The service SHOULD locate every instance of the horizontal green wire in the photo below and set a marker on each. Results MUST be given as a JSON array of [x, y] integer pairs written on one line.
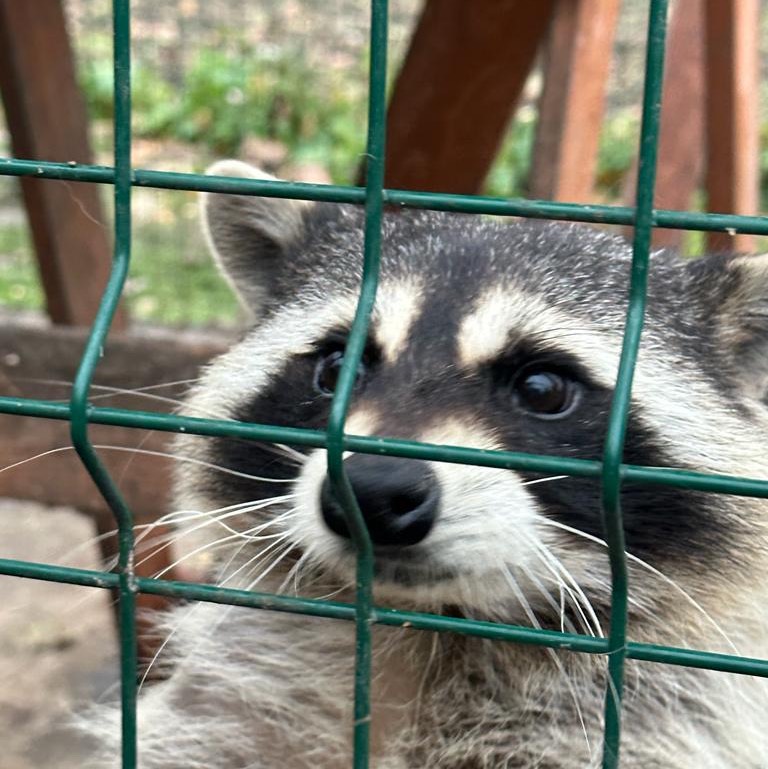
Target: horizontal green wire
[[478, 204], [670, 655], [371, 444]]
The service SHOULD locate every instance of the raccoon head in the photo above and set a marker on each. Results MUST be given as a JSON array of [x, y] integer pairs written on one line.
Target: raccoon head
[[493, 335]]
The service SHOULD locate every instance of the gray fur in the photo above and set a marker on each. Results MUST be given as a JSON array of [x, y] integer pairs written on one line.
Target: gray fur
[[264, 690], [249, 235]]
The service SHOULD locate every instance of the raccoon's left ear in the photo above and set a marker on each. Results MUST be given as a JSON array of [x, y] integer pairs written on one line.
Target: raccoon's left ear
[[249, 235], [742, 319]]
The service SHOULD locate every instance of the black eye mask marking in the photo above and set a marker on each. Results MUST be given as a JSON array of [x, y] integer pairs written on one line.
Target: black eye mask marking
[[330, 357]]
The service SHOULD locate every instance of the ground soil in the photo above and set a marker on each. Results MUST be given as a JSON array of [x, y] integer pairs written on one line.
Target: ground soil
[[57, 642]]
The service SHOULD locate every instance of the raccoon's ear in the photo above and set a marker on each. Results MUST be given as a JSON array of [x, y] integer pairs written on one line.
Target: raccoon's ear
[[249, 235], [743, 319]]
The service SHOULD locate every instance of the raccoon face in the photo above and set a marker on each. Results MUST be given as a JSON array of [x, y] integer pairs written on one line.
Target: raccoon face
[[492, 335]]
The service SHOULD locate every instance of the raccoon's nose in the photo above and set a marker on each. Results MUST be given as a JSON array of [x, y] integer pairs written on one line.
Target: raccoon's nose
[[398, 499]]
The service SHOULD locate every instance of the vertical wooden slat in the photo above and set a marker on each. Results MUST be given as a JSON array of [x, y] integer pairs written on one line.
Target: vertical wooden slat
[[732, 88], [47, 120], [681, 153], [572, 102], [463, 73]]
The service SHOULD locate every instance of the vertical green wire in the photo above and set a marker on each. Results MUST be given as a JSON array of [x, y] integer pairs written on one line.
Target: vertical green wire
[[93, 351], [617, 423], [342, 397]]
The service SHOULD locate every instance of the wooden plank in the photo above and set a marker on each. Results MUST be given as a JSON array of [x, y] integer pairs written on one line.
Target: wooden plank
[[578, 62], [47, 120], [39, 362], [732, 87], [463, 73], [681, 157]]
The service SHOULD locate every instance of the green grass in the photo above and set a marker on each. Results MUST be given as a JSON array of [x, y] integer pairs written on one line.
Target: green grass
[[19, 285], [172, 280], [239, 90]]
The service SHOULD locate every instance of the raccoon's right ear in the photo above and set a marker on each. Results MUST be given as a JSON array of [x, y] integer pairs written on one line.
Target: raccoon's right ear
[[248, 235], [738, 285]]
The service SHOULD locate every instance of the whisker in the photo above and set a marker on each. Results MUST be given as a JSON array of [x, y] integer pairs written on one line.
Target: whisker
[[161, 648], [235, 507], [112, 392], [248, 535], [154, 453], [253, 561], [36, 456], [293, 575], [222, 570], [220, 514], [653, 570], [558, 607], [167, 540], [191, 554], [556, 565], [526, 606], [544, 480], [291, 452], [213, 627], [193, 461], [278, 556]]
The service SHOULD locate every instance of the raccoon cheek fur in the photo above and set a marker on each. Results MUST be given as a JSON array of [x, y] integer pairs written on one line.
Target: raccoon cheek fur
[[495, 335]]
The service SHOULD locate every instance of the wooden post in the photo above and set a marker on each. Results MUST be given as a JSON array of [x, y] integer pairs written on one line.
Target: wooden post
[[681, 156], [572, 103], [464, 71], [47, 120], [732, 88]]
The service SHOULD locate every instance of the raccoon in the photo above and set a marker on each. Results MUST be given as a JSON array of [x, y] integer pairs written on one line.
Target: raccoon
[[494, 335]]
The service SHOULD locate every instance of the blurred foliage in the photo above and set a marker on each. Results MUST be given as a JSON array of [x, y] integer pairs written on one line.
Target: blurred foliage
[[618, 149], [231, 93], [172, 280], [19, 285], [509, 175]]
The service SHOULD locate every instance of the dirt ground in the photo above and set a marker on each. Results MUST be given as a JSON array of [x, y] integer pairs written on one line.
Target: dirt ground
[[57, 642]]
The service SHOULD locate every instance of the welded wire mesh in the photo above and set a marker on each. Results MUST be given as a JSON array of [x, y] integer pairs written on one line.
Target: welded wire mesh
[[610, 472]]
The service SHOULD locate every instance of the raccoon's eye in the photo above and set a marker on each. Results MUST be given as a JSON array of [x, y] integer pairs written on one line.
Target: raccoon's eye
[[547, 393], [327, 373]]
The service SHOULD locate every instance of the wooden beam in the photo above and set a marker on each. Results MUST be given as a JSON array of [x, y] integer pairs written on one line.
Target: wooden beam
[[732, 88], [681, 140], [578, 62], [40, 362], [463, 73], [47, 120]]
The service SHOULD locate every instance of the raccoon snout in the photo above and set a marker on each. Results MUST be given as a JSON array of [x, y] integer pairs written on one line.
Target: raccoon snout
[[398, 499]]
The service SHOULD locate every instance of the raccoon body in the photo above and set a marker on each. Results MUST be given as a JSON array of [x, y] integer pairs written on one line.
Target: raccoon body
[[494, 335]]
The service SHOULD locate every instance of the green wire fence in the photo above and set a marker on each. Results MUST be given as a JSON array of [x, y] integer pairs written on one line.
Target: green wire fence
[[611, 472]]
